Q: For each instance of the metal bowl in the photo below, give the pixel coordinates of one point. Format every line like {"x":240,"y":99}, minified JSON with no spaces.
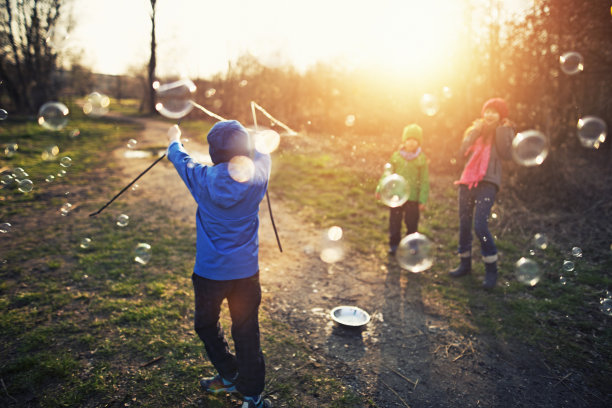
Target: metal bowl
{"x":350,"y":316}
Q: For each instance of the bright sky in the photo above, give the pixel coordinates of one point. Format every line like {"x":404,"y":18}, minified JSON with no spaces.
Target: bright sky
{"x":197,"y":38}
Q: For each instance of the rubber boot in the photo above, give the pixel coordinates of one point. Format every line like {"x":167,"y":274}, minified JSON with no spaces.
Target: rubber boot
{"x":490,"y":275}
{"x":464,"y":268}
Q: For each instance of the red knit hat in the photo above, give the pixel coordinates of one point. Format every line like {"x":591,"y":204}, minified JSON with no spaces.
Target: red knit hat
{"x":498,"y":104}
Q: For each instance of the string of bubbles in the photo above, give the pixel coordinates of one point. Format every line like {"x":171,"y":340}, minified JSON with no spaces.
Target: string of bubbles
{"x":175,"y":100}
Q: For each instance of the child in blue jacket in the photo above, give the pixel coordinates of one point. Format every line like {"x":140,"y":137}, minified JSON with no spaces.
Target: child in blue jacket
{"x":227,"y":247}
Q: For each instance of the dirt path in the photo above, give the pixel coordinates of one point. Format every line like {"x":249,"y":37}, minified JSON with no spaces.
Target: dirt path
{"x":406,"y":355}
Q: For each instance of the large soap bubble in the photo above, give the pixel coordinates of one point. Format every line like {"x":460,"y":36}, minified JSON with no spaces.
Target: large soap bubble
{"x":527,"y":271}
{"x":53,"y":115}
{"x":96,"y":104}
{"x":266,"y":141}
{"x":414,"y":253}
{"x":332,"y":245}
{"x":241,"y":168}
{"x":592,"y":131}
{"x":571,"y":63}
{"x":174,"y":98}
{"x":393,"y":190}
{"x":530,"y":148}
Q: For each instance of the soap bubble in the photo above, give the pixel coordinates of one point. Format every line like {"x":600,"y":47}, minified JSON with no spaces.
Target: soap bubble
{"x":571,"y":63}
{"x":562,"y":280}
{"x":174,"y":99}
{"x":530,"y":148}
{"x":132,"y":143}
{"x":349,"y":120}
{"x":266,"y":141}
{"x":605,"y":305}
{"x":393,"y":190}
{"x":25,"y":185}
{"x":65,"y":161}
{"x":527,"y":271}
{"x":49,"y":178}
{"x":447,"y":93}
{"x":85,"y":243}
{"x":241,"y":168}
{"x":210,"y":92}
{"x":135,"y":187}
{"x":49,"y":152}
{"x":96,"y":104}
{"x":332,"y":245}
{"x":414,"y":253}
{"x":568,"y":266}
{"x":53,"y":115}
{"x":243,"y":83}
{"x":75,"y":133}
{"x":123,"y":220}
{"x":540,"y":240}
{"x":429,"y":104}
{"x":6,"y":179}
{"x":61,"y":173}
{"x":577,"y":252}
{"x":592,"y":131}
{"x":3,"y":114}
{"x":19,"y":173}
{"x":142,"y":253}
{"x":65,"y":209}
{"x":5,"y":227}
{"x":10,"y":149}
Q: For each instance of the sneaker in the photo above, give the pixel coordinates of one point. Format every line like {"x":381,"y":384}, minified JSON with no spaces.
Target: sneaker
{"x":256,"y":402}
{"x":217,"y":384}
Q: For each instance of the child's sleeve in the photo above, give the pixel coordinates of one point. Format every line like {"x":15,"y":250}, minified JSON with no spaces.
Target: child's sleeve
{"x":503,"y":141}
{"x":190,"y":171}
{"x":424,"y":193}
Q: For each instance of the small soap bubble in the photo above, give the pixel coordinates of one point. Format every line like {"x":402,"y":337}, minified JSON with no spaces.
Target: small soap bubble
{"x":241,"y":168}
{"x":447,"y":92}
{"x":191,"y":164}
{"x":332,"y":246}
{"x":75,"y":133}
{"x":65,"y":209}
{"x":96,"y":104}
{"x":142,"y":253}
{"x":414,"y":253}
{"x":429,"y":104}
{"x":577,"y":252}
{"x":65,"y":161}
{"x":50,"y":178}
{"x":540,"y":240}
{"x":527,"y":271}
{"x":85,"y":243}
{"x":393,"y":190}
{"x":5,"y":228}
{"x":349,"y":120}
{"x":53,"y":115}
{"x":605,"y":305}
{"x":25,"y":185}
{"x":61,"y":173}
{"x":530,"y":148}
{"x":3,"y":114}
{"x":6,"y":179}
{"x":571,"y":63}
{"x":19,"y":173}
{"x":132,"y":143}
{"x":266,"y":141}
{"x":123,"y":220}
{"x":49,"y":152}
{"x":135,"y":187}
{"x":10,"y":149}
{"x":592,"y":131}
{"x":243,"y":83}
{"x":531,"y":252}
{"x":568,"y":266}
{"x":562,"y":280}
{"x":174,"y":99}
{"x":210,"y":92}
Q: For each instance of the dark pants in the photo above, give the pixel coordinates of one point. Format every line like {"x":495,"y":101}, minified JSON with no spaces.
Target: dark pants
{"x":243,"y":298}
{"x":474,"y":208}
{"x":409,"y":212}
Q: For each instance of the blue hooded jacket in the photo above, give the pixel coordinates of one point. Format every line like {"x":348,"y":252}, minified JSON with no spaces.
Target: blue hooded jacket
{"x":227,"y":219}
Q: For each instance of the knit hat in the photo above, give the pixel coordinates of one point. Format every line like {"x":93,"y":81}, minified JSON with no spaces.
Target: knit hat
{"x":498,"y":104}
{"x":413,"y":131}
{"x":227,"y":139}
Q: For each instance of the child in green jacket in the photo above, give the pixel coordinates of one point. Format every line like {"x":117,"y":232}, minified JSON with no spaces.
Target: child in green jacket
{"x":410,"y":163}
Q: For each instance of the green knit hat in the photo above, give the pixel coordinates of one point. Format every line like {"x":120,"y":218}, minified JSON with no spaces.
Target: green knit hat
{"x":413,"y":131}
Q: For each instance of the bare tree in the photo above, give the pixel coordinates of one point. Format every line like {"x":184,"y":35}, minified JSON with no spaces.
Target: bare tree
{"x":28,"y":52}
{"x":152,"y":61}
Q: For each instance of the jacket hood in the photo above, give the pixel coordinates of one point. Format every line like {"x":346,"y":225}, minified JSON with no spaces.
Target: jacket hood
{"x":413,"y":131}
{"x":227,"y":139}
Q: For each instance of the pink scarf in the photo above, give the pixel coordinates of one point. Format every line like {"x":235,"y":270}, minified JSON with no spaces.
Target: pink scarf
{"x":476,"y":167}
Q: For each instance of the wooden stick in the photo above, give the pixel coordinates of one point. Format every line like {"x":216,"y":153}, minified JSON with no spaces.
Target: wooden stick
{"x":396,"y":394}
{"x":401,"y":375}
{"x":7,"y":393}
{"x":155,"y":360}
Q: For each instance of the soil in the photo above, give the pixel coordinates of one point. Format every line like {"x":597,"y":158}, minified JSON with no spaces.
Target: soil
{"x":407,"y":355}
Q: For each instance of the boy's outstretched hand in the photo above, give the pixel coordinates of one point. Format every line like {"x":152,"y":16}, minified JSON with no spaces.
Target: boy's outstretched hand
{"x":174,"y":134}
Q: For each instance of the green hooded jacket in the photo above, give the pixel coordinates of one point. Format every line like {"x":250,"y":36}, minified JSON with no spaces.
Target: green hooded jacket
{"x":415,"y":171}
